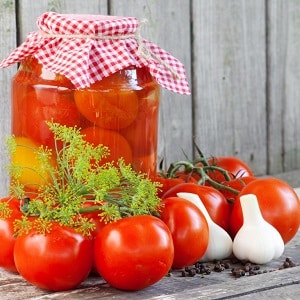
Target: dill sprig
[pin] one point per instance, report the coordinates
(78, 176)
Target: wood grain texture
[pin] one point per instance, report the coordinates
(7, 44)
(29, 11)
(229, 69)
(291, 120)
(277, 44)
(218, 285)
(241, 58)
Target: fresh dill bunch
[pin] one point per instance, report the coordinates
(115, 189)
(5, 211)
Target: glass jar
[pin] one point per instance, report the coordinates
(96, 73)
(119, 111)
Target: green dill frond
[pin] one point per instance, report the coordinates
(10, 144)
(5, 211)
(44, 157)
(104, 180)
(145, 199)
(110, 213)
(85, 226)
(22, 226)
(15, 171)
(42, 226)
(64, 214)
(78, 175)
(17, 189)
(37, 208)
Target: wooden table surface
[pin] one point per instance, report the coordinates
(273, 282)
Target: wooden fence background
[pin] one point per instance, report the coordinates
(243, 64)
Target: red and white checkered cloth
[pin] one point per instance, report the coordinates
(86, 48)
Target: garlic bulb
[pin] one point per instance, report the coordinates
(257, 240)
(219, 243)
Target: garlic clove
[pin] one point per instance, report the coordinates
(257, 240)
(256, 248)
(220, 242)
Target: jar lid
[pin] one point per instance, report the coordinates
(87, 48)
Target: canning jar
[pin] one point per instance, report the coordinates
(119, 111)
(98, 74)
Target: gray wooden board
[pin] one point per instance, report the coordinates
(217, 285)
(242, 62)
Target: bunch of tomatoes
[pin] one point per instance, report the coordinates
(138, 251)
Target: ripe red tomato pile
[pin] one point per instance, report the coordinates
(138, 251)
(220, 181)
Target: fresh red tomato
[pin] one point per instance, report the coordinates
(134, 252)
(109, 103)
(189, 230)
(213, 200)
(48, 104)
(233, 165)
(117, 144)
(237, 184)
(56, 261)
(168, 182)
(279, 205)
(99, 224)
(7, 237)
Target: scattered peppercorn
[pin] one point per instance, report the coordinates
(239, 269)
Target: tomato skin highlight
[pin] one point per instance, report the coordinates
(279, 205)
(134, 253)
(189, 229)
(7, 237)
(57, 261)
(214, 201)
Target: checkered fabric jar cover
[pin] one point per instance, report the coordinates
(87, 48)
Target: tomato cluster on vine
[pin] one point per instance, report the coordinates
(221, 181)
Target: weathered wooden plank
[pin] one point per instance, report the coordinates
(170, 29)
(289, 292)
(229, 70)
(7, 43)
(29, 11)
(217, 285)
(277, 43)
(274, 283)
(291, 120)
(283, 85)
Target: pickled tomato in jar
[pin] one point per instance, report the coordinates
(96, 73)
